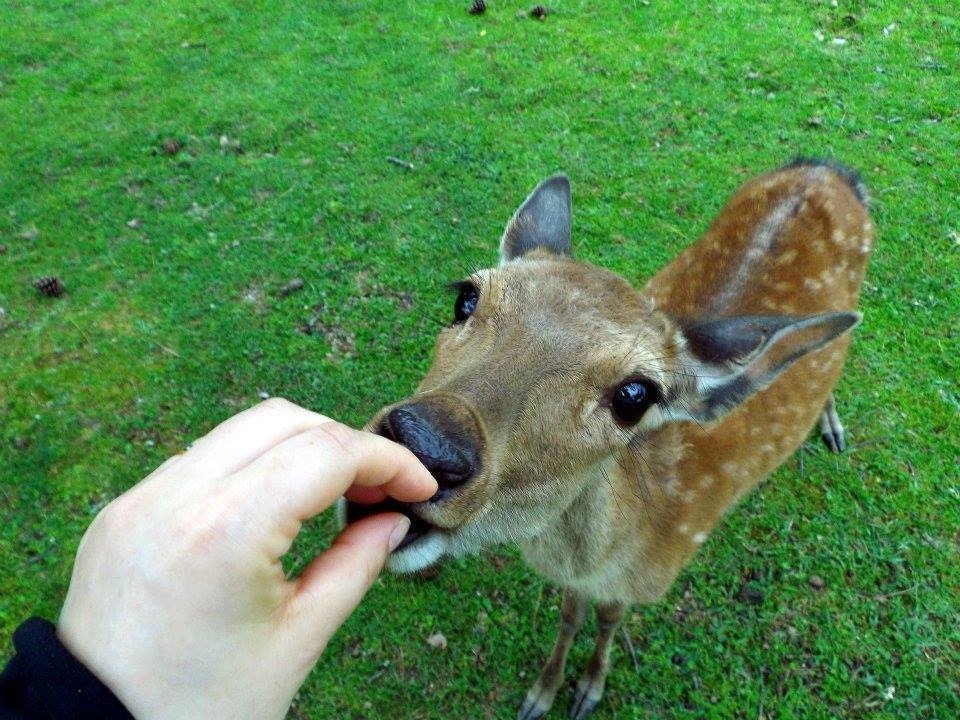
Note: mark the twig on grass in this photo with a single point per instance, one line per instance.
(869, 441)
(887, 596)
(168, 350)
(536, 609)
(760, 715)
(401, 163)
(631, 649)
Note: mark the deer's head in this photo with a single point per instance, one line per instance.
(548, 369)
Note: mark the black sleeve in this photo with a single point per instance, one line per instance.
(43, 681)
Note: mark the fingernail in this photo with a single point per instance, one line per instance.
(399, 532)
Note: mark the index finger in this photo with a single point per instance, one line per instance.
(305, 474)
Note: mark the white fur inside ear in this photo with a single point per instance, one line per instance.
(422, 553)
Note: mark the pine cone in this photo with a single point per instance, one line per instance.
(478, 7)
(49, 286)
(539, 12)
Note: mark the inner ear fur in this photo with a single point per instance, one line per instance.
(730, 359)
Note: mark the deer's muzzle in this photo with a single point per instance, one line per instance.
(443, 436)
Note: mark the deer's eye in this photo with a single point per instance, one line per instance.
(466, 303)
(631, 400)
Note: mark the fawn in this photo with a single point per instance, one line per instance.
(606, 430)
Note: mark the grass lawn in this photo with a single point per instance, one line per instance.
(278, 119)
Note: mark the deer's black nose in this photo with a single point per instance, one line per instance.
(443, 440)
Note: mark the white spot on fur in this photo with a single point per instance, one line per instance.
(700, 537)
(707, 481)
(672, 486)
(683, 528)
(811, 284)
(787, 257)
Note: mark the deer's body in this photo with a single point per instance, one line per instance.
(607, 430)
(795, 242)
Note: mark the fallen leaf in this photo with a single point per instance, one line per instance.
(437, 640)
(290, 287)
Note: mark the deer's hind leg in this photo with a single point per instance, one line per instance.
(831, 429)
(590, 687)
(539, 699)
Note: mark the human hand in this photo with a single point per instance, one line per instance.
(178, 601)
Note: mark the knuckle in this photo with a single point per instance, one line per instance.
(334, 436)
(277, 404)
(218, 515)
(203, 528)
(115, 514)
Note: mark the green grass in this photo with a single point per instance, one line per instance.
(657, 111)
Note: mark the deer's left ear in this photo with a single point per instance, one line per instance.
(541, 223)
(727, 360)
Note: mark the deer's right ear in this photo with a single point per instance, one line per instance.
(541, 223)
(730, 359)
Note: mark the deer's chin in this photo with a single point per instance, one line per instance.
(420, 553)
(423, 545)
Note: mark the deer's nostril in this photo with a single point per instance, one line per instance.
(385, 430)
(444, 449)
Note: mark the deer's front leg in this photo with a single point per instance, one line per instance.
(590, 686)
(539, 699)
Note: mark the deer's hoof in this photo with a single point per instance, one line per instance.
(834, 440)
(831, 429)
(537, 704)
(586, 698)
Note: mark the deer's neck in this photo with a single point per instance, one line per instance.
(595, 543)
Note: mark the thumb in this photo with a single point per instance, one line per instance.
(335, 581)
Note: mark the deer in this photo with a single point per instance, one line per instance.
(605, 429)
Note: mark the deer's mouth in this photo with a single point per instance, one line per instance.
(419, 527)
